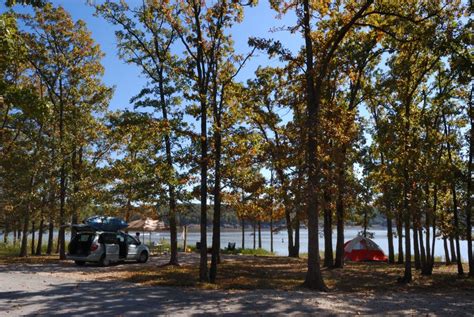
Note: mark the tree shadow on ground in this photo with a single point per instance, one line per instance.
(246, 285)
(113, 298)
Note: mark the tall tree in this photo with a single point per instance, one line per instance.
(24, 127)
(65, 57)
(201, 30)
(146, 39)
(315, 81)
(268, 95)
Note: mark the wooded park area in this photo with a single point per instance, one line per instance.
(373, 115)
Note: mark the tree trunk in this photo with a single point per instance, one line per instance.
(271, 233)
(76, 163)
(446, 251)
(287, 204)
(291, 245)
(447, 259)
(62, 180)
(416, 248)
(173, 227)
(58, 243)
(254, 235)
(33, 230)
(314, 88)
(328, 252)
(62, 214)
(26, 221)
(433, 241)
(427, 266)
(456, 256)
(296, 247)
(407, 276)
(19, 231)
(259, 234)
(314, 278)
(24, 238)
(339, 262)
(185, 238)
(49, 249)
(52, 207)
(469, 188)
(243, 233)
(456, 233)
(216, 228)
(425, 270)
(40, 237)
(422, 249)
(203, 277)
(171, 188)
(453, 249)
(271, 213)
(391, 253)
(6, 232)
(400, 238)
(427, 238)
(202, 84)
(341, 189)
(289, 230)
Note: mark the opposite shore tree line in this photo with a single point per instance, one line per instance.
(372, 115)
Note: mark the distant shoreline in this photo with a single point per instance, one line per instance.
(196, 228)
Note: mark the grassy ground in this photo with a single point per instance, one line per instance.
(271, 272)
(265, 272)
(9, 255)
(260, 252)
(9, 250)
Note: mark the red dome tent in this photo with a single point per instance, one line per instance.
(363, 249)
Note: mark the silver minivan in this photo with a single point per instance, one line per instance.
(106, 247)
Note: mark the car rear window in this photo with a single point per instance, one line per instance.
(132, 240)
(108, 238)
(83, 237)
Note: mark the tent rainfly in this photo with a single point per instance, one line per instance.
(363, 249)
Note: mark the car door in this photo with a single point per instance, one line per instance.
(132, 247)
(110, 242)
(122, 245)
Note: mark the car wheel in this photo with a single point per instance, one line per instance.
(143, 257)
(104, 261)
(80, 263)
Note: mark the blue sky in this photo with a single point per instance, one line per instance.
(258, 22)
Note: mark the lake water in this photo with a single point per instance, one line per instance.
(280, 241)
(280, 246)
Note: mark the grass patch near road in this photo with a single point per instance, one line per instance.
(42, 259)
(9, 255)
(260, 252)
(9, 250)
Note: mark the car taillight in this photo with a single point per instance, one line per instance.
(94, 246)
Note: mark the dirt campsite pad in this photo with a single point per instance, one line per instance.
(247, 285)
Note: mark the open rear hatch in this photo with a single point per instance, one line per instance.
(81, 244)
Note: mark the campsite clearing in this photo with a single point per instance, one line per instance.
(271, 285)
